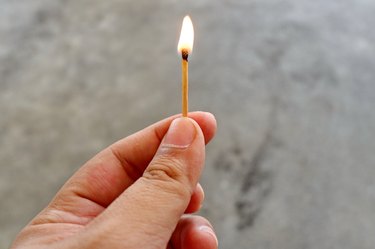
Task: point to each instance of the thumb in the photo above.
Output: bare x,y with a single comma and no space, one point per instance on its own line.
146,214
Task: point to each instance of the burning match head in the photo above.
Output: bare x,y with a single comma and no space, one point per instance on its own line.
185,44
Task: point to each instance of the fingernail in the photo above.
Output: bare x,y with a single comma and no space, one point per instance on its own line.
181,134
209,231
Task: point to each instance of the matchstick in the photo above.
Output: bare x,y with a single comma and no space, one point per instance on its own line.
185,47
185,83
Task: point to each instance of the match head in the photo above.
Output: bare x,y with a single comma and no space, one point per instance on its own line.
185,54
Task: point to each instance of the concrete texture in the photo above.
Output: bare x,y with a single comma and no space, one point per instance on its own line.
291,83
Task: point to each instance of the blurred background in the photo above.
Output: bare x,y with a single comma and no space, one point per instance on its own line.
291,82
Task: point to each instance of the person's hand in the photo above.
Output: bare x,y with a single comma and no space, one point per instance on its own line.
137,193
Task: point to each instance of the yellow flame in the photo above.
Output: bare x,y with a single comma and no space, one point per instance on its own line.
187,36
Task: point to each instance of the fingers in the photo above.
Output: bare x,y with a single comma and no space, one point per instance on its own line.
108,174
194,232
196,200
136,151
153,205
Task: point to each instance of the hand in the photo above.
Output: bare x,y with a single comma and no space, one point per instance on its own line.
133,194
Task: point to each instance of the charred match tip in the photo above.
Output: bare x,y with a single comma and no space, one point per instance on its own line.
185,54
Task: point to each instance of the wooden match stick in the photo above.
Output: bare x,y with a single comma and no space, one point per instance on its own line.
185,83
185,47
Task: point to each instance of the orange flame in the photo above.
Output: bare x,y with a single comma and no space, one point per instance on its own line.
187,36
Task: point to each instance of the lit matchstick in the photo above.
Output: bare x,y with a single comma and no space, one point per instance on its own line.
185,47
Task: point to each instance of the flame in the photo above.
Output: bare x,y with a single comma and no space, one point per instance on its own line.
187,36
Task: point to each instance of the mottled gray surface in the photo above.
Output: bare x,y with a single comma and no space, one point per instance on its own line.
291,82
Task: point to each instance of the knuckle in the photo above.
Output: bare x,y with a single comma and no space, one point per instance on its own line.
166,168
168,174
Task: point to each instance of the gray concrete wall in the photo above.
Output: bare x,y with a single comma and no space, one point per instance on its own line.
291,82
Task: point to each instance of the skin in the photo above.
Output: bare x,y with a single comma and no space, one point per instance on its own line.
140,192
